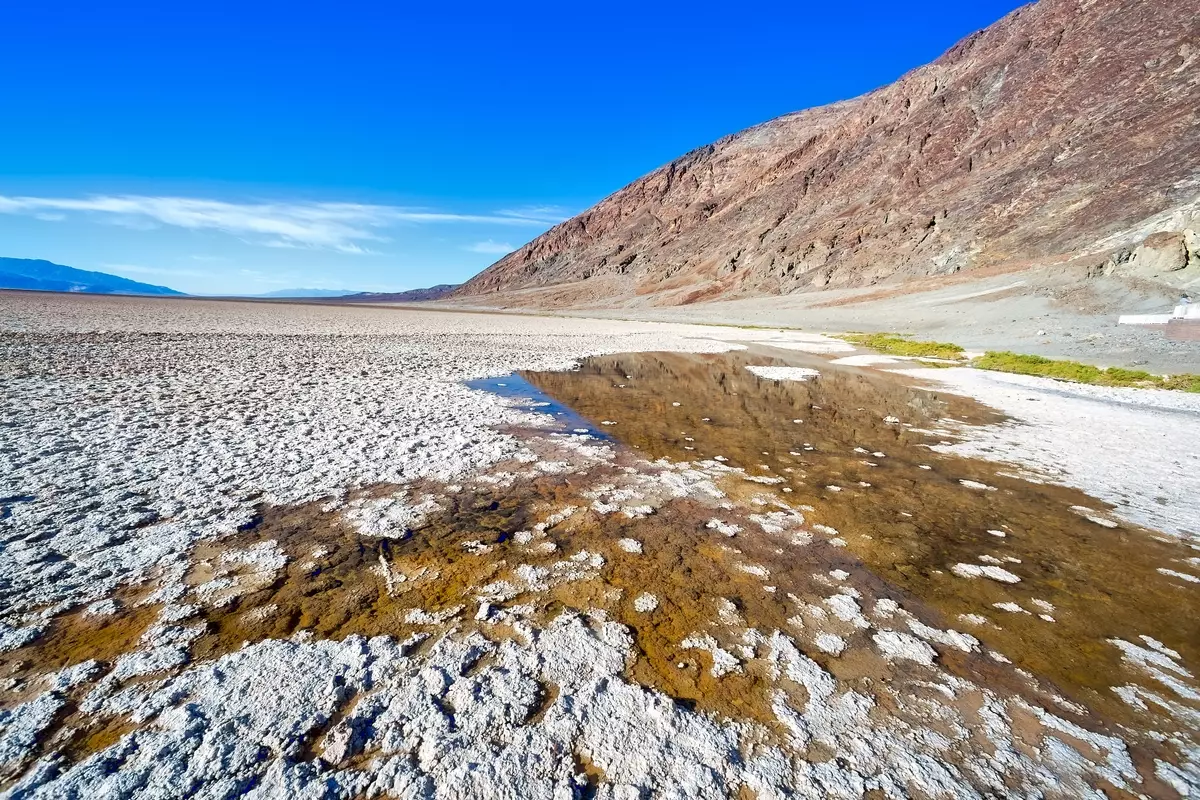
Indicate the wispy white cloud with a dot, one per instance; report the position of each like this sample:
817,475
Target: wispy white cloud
138,269
549,215
341,227
491,248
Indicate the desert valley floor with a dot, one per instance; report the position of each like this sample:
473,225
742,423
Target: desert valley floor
318,551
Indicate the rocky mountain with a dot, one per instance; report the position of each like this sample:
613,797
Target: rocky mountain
1066,133
28,273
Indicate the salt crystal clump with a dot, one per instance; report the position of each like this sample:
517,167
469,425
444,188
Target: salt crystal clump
770,481
777,522
630,545
1093,516
949,638
727,612
726,528
102,608
895,645
1010,607
389,517
723,662
846,609
561,515
830,643
417,616
645,603
783,373
984,571
1181,575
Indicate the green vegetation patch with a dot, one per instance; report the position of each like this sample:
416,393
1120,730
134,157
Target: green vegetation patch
1083,373
897,345
1002,361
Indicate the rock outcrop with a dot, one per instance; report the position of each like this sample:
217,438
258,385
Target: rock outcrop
1063,131
1162,254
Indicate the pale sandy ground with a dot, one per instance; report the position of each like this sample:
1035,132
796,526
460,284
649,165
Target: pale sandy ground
1134,448
133,428
1052,315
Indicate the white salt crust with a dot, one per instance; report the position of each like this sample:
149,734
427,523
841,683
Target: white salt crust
435,725
784,373
137,426
466,717
1134,448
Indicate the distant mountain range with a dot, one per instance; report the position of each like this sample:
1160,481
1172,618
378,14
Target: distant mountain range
342,295
308,293
45,276
411,296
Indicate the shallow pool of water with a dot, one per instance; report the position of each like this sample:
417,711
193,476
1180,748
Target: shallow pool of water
529,396
1039,572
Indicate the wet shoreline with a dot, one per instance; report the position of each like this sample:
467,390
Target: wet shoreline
1072,579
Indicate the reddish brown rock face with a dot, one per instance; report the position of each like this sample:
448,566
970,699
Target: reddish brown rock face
1042,137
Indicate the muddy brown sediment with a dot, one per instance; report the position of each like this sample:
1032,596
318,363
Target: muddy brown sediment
75,636
344,590
92,736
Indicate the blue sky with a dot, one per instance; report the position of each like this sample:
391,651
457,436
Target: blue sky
243,147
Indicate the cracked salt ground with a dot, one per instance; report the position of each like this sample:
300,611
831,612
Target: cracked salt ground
490,636
515,670
121,447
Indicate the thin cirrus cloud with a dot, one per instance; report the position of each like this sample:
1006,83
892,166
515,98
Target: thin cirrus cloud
491,248
342,227
138,269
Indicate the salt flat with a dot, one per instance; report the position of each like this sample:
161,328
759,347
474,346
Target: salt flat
176,419
282,550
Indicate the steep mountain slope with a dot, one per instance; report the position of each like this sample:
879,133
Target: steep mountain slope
46,276
1070,129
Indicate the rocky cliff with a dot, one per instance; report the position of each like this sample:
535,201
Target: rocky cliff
1068,130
